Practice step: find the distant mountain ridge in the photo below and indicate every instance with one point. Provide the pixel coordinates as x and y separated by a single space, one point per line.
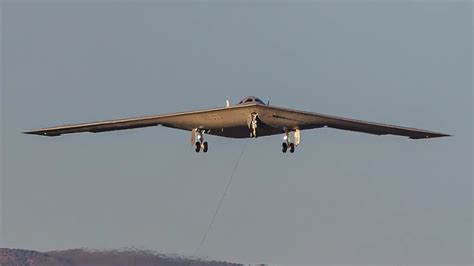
84 257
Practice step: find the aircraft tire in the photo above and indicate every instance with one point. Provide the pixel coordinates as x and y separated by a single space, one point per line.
284 147
292 147
198 147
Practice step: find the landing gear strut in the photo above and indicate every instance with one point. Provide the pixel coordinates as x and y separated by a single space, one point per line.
252 123
288 145
197 139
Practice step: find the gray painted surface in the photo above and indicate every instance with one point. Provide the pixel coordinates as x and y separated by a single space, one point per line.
233 122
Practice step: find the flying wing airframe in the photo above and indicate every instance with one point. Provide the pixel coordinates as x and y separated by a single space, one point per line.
250 118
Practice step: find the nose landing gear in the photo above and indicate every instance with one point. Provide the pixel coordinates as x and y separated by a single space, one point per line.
288 145
252 123
197 139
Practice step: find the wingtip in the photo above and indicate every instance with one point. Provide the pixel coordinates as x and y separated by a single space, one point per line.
431 136
439 135
39 133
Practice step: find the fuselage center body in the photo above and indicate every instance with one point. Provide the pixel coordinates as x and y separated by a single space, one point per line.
233 122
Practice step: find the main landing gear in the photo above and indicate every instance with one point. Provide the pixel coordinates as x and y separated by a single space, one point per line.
197 139
288 145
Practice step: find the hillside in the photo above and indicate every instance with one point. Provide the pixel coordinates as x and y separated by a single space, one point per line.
82 257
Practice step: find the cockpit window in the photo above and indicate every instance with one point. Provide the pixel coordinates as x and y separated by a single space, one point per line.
251 100
259 101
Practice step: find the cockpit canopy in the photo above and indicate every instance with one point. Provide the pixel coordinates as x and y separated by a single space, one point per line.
251 99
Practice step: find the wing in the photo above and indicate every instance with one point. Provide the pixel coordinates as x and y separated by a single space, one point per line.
282 117
205 119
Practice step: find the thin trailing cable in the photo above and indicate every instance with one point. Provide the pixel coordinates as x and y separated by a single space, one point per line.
203 240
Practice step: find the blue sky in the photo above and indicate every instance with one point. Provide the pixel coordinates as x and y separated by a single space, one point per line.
341 198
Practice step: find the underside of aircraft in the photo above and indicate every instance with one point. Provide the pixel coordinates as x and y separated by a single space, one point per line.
250 118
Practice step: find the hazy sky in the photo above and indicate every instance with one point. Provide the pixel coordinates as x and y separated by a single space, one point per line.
341 198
